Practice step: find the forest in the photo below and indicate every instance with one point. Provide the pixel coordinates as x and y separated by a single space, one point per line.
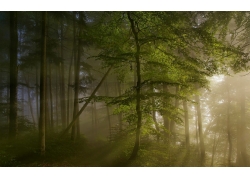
124 89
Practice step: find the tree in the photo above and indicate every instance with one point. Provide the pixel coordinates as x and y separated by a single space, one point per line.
43 74
13 75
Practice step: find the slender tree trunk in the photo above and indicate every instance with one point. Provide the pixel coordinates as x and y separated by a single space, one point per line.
86 103
69 88
166 121
51 98
13 76
154 117
138 87
56 96
77 80
42 119
202 147
107 109
215 144
229 128
29 100
37 93
172 123
241 139
186 124
120 114
62 84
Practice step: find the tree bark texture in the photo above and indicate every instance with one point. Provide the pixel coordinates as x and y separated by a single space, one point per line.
202 146
138 87
13 76
43 73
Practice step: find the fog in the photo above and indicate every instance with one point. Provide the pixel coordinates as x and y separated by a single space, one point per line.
146 89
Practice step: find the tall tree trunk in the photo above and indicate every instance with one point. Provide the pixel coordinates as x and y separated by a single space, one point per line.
43 73
62 84
69 88
77 80
154 117
120 114
56 97
166 121
86 103
229 127
107 109
202 147
241 125
186 124
37 93
138 87
51 98
172 123
29 100
13 76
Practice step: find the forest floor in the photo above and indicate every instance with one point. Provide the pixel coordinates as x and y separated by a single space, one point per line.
23 152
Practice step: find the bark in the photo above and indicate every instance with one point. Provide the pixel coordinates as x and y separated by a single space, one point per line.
86 103
186 124
13 76
29 100
62 84
202 147
107 108
172 123
69 88
51 99
154 118
77 81
166 121
56 97
120 114
138 87
42 119
37 94
229 128
241 139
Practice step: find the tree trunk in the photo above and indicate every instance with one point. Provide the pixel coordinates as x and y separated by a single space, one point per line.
186 123
37 93
202 147
69 88
120 114
138 88
56 97
77 80
229 127
62 85
13 76
29 100
107 109
154 117
51 98
42 119
166 121
86 103
172 123
241 139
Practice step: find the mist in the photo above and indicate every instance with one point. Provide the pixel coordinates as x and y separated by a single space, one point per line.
124 89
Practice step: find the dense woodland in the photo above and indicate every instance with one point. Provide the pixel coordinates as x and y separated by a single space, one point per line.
124 88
